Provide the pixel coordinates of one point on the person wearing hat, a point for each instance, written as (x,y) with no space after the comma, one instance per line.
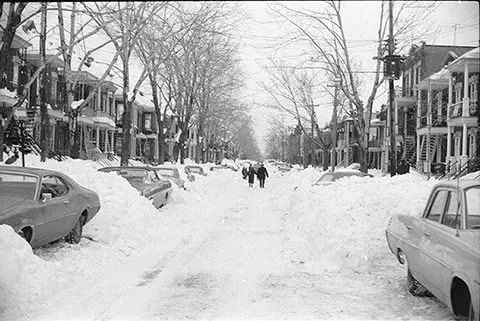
(261,174)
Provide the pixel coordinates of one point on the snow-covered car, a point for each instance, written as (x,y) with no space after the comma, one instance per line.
(441,247)
(171,173)
(146,181)
(223,166)
(330,177)
(283,168)
(44,205)
(195,170)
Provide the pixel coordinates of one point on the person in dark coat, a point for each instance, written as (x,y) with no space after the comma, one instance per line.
(244,172)
(251,175)
(261,174)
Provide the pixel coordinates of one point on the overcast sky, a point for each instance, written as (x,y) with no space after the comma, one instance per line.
(453,21)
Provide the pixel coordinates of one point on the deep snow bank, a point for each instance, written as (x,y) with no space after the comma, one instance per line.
(343,225)
(125,222)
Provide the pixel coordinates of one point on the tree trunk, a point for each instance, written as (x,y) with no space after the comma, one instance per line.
(126,121)
(158,113)
(44,119)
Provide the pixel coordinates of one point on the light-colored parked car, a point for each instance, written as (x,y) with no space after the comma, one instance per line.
(146,181)
(171,173)
(195,170)
(330,177)
(441,247)
(44,205)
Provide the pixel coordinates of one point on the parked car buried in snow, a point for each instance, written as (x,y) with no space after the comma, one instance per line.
(330,177)
(171,173)
(195,170)
(146,181)
(44,205)
(441,247)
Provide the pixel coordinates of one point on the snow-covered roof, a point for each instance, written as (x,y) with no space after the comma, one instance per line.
(472,54)
(105,120)
(472,58)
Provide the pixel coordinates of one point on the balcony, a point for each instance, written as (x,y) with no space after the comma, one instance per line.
(458,110)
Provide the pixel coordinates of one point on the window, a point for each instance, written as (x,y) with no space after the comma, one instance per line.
(454,213)
(458,92)
(472,88)
(53,185)
(472,198)
(437,206)
(148,122)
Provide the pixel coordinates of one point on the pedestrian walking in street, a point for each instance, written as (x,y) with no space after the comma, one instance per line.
(251,175)
(244,172)
(261,174)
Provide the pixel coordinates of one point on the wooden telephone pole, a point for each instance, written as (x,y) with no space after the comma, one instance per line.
(391,95)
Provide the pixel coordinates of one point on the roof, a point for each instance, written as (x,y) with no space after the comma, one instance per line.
(17,42)
(472,58)
(29,170)
(88,78)
(34,59)
(462,183)
(125,167)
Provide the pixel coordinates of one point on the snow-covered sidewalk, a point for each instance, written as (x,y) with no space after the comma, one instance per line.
(222,250)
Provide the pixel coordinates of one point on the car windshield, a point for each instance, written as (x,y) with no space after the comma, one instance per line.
(18,185)
(327,177)
(473,207)
(166,171)
(132,174)
(195,169)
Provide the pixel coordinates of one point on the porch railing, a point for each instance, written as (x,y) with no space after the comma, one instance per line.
(456,110)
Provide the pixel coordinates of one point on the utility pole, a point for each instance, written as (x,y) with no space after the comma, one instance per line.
(391,94)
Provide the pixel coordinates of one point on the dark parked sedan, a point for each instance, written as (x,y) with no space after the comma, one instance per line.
(44,205)
(145,180)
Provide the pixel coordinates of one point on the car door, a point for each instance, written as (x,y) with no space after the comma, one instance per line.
(430,233)
(51,222)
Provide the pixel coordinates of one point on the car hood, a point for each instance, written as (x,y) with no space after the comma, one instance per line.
(10,205)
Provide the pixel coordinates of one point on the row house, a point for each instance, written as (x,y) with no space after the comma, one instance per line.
(97,117)
(447,127)
(55,98)
(347,146)
(15,75)
(144,132)
(411,106)
(463,109)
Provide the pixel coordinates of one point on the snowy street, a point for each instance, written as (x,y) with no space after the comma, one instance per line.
(222,250)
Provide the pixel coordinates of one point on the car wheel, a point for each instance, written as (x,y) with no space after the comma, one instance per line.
(414,287)
(75,234)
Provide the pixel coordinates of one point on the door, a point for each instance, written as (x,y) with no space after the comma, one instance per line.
(56,218)
(429,254)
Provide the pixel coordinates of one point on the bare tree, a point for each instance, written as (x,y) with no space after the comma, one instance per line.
(292,93)
(323,29)
(129,19)
(67,47)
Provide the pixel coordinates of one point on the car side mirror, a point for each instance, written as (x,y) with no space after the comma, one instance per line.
(46,197)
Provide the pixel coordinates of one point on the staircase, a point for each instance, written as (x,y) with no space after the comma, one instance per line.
(409,153)
(431,148)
